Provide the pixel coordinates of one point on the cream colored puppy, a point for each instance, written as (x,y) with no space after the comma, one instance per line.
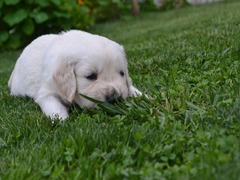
(56,69)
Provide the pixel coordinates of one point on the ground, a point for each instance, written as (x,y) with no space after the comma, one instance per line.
(187,61)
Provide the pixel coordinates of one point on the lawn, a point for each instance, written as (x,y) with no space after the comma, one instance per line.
(187,61)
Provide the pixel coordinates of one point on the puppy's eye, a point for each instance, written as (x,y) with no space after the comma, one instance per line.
(92,76)
(122,73)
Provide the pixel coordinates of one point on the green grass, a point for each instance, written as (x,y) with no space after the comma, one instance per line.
(188,61)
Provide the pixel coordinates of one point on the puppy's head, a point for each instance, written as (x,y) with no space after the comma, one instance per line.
(96,70)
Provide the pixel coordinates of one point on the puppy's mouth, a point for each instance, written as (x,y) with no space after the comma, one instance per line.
(108,106)
(111,99)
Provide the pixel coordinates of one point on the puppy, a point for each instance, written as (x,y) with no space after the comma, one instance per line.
(56,69)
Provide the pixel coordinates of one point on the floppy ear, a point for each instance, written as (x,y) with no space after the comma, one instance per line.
(132,91)
(65,81)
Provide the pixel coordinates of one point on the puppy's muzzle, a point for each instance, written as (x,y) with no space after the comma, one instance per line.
(113,98)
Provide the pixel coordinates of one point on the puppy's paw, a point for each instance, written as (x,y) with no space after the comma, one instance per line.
(53,108)
(135,92)
(62,116)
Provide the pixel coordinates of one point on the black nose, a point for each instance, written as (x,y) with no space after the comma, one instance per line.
(113,99)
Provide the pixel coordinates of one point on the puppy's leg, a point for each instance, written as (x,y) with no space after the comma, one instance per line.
(52,107)
(134,91)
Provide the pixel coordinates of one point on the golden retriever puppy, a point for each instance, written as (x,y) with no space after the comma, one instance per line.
(56,69)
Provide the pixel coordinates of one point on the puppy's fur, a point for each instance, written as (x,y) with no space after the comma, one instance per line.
(56,69)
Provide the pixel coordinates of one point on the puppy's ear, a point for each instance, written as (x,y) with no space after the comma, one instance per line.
(132,91)
(65,81)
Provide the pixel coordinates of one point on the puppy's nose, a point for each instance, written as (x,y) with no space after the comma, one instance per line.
(113,99)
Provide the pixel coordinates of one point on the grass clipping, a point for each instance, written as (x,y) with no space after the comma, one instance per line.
(117,108)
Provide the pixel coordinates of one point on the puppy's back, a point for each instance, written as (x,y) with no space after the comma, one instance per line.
(25,78)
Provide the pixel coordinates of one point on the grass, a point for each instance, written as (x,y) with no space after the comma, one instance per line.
(188,61)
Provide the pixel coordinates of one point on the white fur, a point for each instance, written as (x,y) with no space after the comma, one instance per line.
(53,70)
